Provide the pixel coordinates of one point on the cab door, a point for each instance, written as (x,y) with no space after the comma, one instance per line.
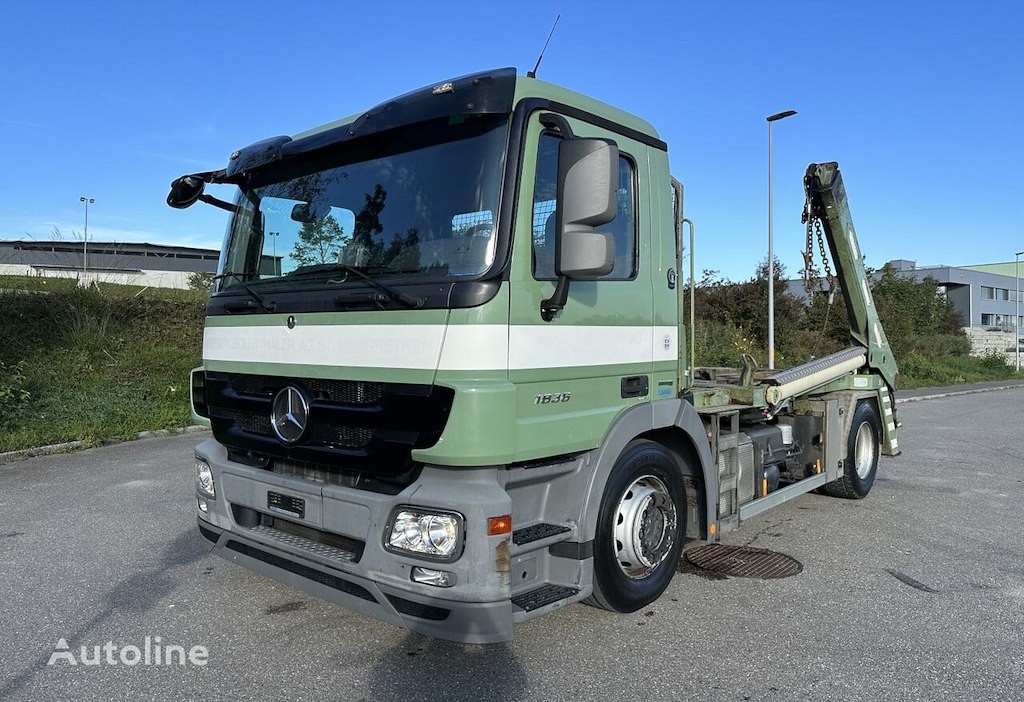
(575,374)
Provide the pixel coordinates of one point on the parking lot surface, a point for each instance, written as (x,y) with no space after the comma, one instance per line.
(916,593)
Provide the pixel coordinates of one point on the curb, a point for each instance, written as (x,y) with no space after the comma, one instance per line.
(69,446)
(954,393)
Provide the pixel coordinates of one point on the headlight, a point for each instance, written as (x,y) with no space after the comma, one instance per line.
(204,479)
(435,535)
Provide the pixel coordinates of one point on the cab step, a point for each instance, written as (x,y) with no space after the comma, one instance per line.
(536,532)
(544,595)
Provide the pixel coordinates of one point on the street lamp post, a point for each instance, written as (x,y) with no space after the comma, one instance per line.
(277,265)
(85,239)
(771,243)
(1016,310)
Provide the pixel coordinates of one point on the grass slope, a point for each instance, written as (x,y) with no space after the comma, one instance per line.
(86,365)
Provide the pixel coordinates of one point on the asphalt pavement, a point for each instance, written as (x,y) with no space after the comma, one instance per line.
(915,593)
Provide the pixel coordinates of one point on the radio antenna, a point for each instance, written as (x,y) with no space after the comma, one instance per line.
(533,73)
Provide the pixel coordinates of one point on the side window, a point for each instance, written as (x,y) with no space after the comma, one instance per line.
(622,228)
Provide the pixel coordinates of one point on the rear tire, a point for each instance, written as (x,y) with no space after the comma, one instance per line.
(863,448)
(640,528)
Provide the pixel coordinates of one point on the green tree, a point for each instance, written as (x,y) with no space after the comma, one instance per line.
(739,312)
(401,253)
(916,318)
(320,241)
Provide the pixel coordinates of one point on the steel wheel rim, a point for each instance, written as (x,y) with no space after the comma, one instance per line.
(646,524)
(864,450)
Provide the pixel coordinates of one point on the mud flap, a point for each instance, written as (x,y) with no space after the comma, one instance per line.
(890,422)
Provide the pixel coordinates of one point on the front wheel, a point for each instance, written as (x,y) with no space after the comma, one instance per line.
(640,528)
(862,451)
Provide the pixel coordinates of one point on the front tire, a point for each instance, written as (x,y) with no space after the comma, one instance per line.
(863,449)
(640,528)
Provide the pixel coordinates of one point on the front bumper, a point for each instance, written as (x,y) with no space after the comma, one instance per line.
(370,580)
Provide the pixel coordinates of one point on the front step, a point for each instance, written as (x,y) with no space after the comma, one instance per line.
(536,532)
(544,595)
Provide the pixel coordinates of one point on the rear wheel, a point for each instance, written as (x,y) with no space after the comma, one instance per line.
(640,528)
(863,448)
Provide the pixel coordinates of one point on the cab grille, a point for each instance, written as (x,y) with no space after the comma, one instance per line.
(354,426)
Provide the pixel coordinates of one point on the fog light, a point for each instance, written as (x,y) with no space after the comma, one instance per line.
(424,533)
(203,507)
(204,479)
(437,578)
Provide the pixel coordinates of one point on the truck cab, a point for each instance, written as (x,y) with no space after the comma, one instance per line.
(445,367)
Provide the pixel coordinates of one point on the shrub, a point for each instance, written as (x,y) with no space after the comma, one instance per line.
(13,395)
(201,281)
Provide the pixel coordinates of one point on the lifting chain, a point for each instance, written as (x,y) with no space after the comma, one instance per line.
(814,230)
(829,278)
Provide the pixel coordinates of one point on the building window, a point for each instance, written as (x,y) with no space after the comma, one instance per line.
(988,320)
(987,293)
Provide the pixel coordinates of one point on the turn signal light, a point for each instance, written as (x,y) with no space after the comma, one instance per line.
(499,525)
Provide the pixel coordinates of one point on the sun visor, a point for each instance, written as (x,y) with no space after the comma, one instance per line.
(256,155)
(491,92)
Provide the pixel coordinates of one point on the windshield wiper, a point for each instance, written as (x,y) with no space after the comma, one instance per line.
(263,302)
(393,293)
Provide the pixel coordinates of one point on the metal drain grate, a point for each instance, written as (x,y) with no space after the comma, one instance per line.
(743,561)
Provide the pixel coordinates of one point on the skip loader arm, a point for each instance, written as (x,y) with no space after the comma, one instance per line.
(826,202)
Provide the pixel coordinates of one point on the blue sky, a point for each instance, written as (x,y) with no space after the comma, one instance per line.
(921,103)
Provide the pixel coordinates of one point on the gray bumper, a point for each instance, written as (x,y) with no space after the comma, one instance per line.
(478,622)
(375,582)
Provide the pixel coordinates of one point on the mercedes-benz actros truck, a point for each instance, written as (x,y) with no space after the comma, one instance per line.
(447,371)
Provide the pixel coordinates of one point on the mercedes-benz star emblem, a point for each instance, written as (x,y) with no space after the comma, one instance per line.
(289,414)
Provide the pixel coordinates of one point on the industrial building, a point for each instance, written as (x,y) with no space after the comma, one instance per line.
(985,294)
(154,265)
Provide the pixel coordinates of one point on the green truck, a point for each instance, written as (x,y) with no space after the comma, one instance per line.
(446,367)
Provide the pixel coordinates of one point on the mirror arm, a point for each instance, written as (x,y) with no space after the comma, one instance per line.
(554,304)
(212,177)
(217,202)
(553,121)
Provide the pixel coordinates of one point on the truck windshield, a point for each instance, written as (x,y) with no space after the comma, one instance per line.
(418,202)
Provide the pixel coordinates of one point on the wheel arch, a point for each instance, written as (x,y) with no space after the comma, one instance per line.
(676,426)
(849,400)
(847,485)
